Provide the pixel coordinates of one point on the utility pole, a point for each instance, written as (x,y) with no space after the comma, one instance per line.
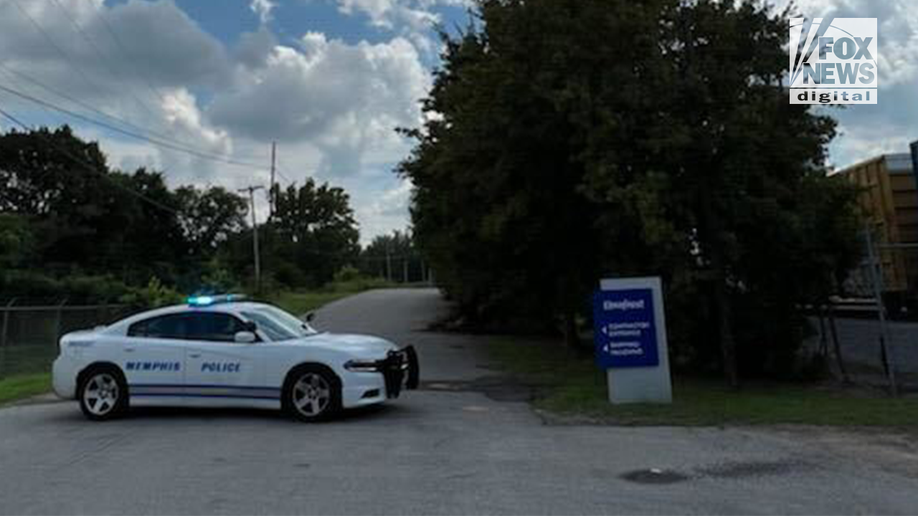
(251,191)
(271,199)
(876,280)
(388,262)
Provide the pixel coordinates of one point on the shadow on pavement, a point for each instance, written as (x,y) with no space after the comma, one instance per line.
(357,415)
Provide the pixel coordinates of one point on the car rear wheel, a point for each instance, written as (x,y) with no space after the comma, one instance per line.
(103,393)
(312,394)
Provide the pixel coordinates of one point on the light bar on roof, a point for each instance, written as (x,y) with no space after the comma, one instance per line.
(210,300)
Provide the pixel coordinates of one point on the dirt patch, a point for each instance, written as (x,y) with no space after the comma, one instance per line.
(654,476)
(748,469)
(894,451)
(496,388)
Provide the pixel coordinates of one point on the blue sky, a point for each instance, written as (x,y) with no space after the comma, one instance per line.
(328,80)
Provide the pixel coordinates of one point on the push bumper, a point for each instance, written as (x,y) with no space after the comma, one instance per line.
(400,370)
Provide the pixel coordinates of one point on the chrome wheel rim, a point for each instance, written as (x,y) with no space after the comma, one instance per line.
(101,394)
(311,394)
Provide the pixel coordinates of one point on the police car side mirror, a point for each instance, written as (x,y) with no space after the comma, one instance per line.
(245,337)
(310,316)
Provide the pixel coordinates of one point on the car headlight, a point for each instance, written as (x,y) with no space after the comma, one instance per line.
(362,366)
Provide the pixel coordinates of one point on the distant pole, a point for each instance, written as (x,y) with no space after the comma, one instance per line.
(405,269)
(388,263)
(876,279)
(271,199)
(251,191)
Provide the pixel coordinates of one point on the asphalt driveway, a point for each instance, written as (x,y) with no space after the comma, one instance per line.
(448,449)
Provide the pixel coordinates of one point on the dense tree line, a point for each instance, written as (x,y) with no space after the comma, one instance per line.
(70,226)
(569,140)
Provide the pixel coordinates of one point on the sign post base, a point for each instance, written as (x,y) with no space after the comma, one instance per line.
(639,385)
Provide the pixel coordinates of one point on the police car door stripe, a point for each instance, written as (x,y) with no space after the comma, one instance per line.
(216,391)
(202,386)
(185,395)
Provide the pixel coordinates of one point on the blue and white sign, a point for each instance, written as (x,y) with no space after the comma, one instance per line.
(625,330)
(630,338)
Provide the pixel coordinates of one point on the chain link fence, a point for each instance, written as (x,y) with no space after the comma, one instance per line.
(29,333)
(869,329)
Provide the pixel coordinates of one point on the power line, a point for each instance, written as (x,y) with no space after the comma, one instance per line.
(84,105)
(123,48)
(284,176)
(100,112)
(60,51)
(280,172)
(130,134)
(95,48)
(89,167)
(162,141)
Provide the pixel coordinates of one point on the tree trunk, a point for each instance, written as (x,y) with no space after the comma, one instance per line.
(569,329)
(725,333)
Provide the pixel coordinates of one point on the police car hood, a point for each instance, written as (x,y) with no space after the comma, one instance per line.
(359,345)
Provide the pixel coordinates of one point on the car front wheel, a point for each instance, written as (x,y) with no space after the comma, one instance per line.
(312,394)
(103,394)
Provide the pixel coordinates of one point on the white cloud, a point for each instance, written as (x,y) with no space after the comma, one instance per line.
(263,9)
(333,106)
(346,100)
(388,13)
(254,48)
(102,47)
(386,211)
(412,19)
(125,60)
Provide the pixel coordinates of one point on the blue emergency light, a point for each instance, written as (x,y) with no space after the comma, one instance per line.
(210,300)
(200,300)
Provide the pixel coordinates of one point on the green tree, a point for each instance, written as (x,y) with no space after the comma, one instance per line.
(578,138)
(312,233)
(16,241)
(208,217)
(68,200)
(85,219)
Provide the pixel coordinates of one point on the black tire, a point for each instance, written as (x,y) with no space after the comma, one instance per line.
(302,396)
(414,372)
(108,380)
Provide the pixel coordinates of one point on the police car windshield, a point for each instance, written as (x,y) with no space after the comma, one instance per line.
(277,324)
(289,320)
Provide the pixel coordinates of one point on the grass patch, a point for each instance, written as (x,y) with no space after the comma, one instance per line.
(301,301)
(574,386)
(22,386)
(26,359)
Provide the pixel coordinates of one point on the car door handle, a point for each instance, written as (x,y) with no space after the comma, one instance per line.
(129,350)
(194,355)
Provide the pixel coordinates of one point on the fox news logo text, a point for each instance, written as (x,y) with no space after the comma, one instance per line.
(833,61)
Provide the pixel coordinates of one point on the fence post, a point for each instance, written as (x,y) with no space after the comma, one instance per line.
(876,279)
(6,320)
(836,345)
(57,319)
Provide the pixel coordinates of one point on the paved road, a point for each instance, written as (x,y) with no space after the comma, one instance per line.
(860,342)
(433,452)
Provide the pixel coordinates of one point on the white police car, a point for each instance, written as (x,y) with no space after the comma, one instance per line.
(226,352)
